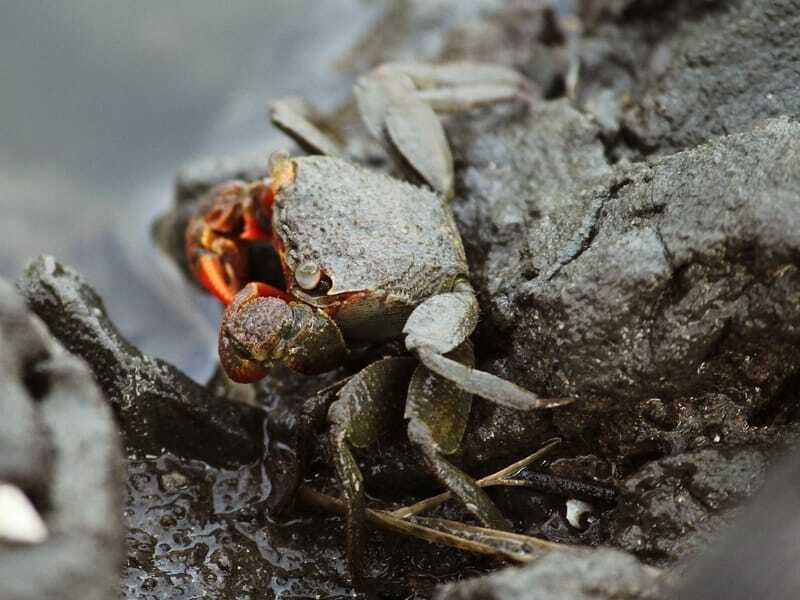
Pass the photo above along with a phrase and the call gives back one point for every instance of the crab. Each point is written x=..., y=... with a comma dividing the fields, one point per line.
x=365, y=258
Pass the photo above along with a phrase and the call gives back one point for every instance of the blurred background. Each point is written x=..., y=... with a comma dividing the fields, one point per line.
x=102, y=103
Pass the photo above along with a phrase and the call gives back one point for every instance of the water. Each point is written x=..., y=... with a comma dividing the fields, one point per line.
x=102, y=102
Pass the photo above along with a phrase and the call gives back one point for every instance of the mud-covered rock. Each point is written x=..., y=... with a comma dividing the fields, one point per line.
x=59, y=446
x=659, y=297
x=726, y=71
x=675, y=506
x=158, y=406
x=604, y=574
x=756, y=557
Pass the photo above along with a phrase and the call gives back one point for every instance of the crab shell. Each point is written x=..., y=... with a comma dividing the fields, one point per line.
x=382, y=245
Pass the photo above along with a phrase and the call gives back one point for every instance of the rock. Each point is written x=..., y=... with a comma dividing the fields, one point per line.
x=727, y=71
x=158, y=406
x=601, y=574
x=675, y=506
x=756, y=557
x=659, y=295
x=70, y=467
x=24, y=451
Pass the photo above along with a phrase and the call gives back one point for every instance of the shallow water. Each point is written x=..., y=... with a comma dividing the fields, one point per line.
x=102, y=103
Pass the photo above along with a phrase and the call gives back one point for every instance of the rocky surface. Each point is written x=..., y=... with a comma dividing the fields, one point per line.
x=756, y=557
x=160, y=407
x=59, y=446
x=661, y=295
x=602, y=575
x=675, y=506
x=726, y=71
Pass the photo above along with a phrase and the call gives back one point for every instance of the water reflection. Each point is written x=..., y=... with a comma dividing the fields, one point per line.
x=102, y=102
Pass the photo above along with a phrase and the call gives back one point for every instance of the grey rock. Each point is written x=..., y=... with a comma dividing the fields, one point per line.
x=657, y=296
x=601, y=574
x=77, y=485
x=675, y=506
x=158, y=406
x=756, y=557
x=726, y=71
x=25, y=455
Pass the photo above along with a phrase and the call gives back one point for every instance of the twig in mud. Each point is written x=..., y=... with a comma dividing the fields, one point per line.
x=492, y=542
x=498, y=478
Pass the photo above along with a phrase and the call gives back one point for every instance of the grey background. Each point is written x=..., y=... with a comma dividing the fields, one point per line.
x=100, y=104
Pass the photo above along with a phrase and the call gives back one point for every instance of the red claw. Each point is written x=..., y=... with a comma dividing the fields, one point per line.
x=232, y=215
x=256, y=317
x=211, y=275
x=239, y=368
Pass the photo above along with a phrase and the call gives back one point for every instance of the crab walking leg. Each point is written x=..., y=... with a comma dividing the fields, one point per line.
x=397, y=101
x=437, y=411
x=295, y=117
x=296, y=435
x=408, y=127
x=459, y=86
x=428, y=76
x=444, y=321
x=486, y=385
x=441, y=323
x=365, y=407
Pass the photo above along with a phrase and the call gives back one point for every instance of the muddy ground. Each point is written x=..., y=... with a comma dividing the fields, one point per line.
x=636, y=247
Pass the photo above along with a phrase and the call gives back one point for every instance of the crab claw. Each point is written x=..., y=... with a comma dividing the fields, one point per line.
x=231, y=215
x=262, y=325
x=252, y=329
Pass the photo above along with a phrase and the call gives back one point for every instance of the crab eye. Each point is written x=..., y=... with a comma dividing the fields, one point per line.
x=308, y=275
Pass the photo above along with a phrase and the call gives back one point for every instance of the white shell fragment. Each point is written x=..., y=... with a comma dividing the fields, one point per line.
x=19, y=521
x=578, y=512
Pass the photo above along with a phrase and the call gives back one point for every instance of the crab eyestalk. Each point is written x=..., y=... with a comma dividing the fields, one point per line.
x=262, y=325
x=232, y=215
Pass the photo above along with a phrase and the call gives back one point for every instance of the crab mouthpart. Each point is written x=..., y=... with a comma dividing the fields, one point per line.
x=232, y=216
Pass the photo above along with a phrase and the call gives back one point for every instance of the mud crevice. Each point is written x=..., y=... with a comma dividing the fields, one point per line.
x=781, y=407
x=587, y=235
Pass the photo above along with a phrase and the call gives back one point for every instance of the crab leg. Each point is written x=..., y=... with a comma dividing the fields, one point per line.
x=439, y=325
x=459, y=86
x=407, y=126
x=397, y=102
x=295, y=117
x=366, y=406
x=438, y=411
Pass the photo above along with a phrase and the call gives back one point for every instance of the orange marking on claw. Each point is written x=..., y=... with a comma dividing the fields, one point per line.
x=253, y=231
x=264, y=290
